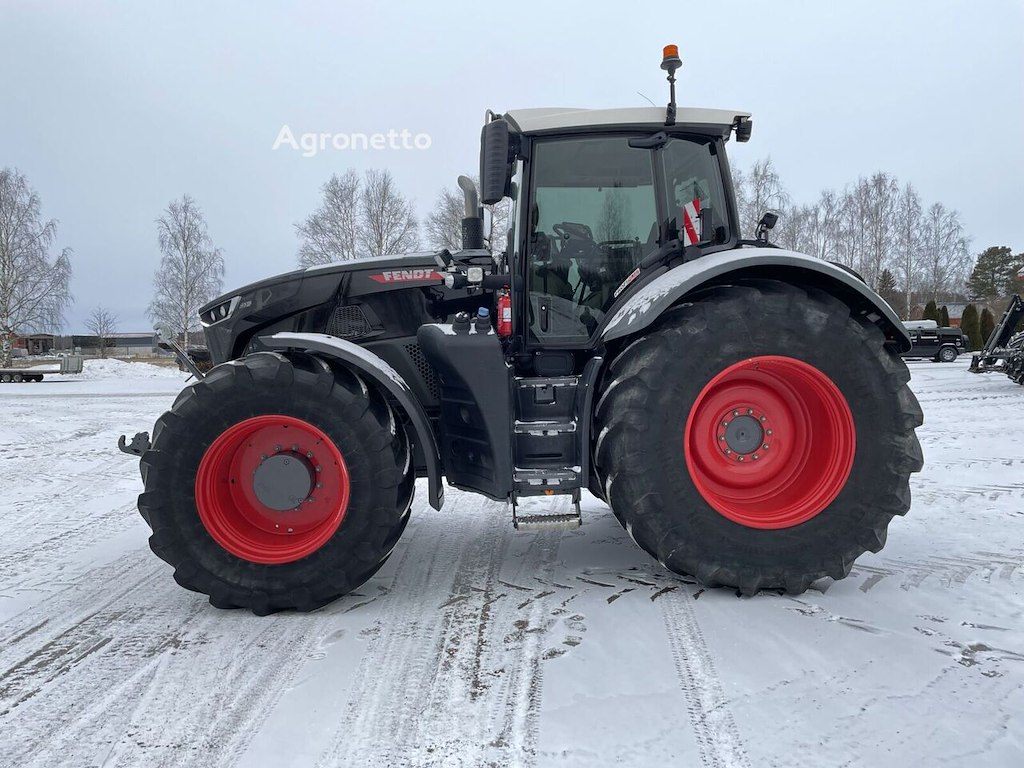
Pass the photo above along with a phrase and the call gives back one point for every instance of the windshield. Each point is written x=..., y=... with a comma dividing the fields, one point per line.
x=594, y=217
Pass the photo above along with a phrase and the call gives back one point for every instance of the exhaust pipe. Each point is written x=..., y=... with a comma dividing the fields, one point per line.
x=473, y=222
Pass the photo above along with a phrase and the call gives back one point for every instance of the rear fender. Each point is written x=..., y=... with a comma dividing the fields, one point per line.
x=383, y=375
x=647, y=305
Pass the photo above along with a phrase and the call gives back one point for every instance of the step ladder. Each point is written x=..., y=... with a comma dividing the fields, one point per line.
x=546, y=452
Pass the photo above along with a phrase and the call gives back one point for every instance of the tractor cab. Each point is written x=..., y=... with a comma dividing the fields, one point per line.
x=603, y=201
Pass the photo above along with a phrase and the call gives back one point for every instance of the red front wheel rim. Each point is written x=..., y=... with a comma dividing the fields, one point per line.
x=770, y=442
x=232, y=495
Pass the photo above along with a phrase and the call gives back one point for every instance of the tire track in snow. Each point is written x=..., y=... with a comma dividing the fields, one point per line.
x=713, y=726
x=130, y=669
x=456, y=678
x=991, y=567
x=70, y=510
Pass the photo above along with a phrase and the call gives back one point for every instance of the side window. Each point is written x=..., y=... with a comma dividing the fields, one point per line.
x=694, y=193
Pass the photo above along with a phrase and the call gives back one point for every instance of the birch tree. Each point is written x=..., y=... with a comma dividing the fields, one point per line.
x=190, y=273
x=881, y=194
x=444, y=224
x=388, y=221
x=944, y=250
x=332, y=232
x=757, y=191
x=908, y=243
x=34, y=286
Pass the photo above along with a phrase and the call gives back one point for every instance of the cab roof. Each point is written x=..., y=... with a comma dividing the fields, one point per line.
x=560, y=119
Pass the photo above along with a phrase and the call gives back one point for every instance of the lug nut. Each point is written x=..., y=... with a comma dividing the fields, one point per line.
x=735, y=413
x=767, y=431
x=764, y=418
x=750, y=411
x=755, y=457
x=727, y=451
x=309, y=454
x=765, y=446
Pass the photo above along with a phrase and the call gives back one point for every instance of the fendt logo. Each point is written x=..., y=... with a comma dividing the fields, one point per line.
x=407, y=276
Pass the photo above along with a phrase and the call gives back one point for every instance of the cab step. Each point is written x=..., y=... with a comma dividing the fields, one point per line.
x=547, y=512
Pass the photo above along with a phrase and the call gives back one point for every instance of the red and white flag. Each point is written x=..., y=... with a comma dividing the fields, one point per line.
x=691, y=222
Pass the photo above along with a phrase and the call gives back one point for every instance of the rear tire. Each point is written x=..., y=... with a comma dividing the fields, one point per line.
x=212, y=523
x=844, y=437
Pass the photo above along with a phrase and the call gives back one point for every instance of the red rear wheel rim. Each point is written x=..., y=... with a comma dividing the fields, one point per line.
x=231, y=509
x=770, y=442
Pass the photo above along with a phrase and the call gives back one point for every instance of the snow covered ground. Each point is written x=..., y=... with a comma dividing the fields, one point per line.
x=477, y=645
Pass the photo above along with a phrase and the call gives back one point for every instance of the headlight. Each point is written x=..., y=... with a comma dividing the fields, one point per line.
x=221, y=312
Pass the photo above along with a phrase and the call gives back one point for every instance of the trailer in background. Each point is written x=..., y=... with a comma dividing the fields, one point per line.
x=69, y=364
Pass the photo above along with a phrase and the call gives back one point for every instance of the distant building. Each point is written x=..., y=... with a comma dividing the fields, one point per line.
x=35, y=343
x=956, y=311
x=118, y=344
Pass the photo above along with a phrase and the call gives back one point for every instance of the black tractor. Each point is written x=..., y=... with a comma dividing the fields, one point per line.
x=742, y=409
x=1004, y=349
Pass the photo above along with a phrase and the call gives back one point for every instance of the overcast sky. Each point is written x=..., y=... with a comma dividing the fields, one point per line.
x=114, y=109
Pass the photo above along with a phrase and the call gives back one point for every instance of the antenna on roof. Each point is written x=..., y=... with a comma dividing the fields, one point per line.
x=646, y=99
x=670, y=62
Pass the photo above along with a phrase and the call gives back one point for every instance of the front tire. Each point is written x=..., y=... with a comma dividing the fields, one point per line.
x=760, y=437
x=947, y=355
x=276, y=483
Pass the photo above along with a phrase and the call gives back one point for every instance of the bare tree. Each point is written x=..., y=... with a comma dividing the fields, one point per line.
x=34, y=288
x=881, y=196
x=102, y=324
x=944, y=250
x=797, y=234
x=388, y=221
x=908, y=243
x=190, y=270
x=758, y=191
x=826, y=228
x=332, y=232
x=444, y=224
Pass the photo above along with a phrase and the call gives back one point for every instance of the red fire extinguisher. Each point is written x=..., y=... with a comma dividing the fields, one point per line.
x=504, y=313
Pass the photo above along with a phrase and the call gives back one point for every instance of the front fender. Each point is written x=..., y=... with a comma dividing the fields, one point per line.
x=647, y=304
x=382, y=374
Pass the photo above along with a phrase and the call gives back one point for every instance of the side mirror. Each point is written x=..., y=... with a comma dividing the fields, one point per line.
x=495, y=175
x=767, y=222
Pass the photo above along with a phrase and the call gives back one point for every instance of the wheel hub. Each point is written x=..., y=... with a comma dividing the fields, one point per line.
x=283, y=481
x=743, y=434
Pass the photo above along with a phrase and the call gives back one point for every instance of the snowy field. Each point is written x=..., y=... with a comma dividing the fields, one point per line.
x=477, y=645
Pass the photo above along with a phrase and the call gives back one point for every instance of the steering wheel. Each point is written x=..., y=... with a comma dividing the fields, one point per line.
x=570, y=229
